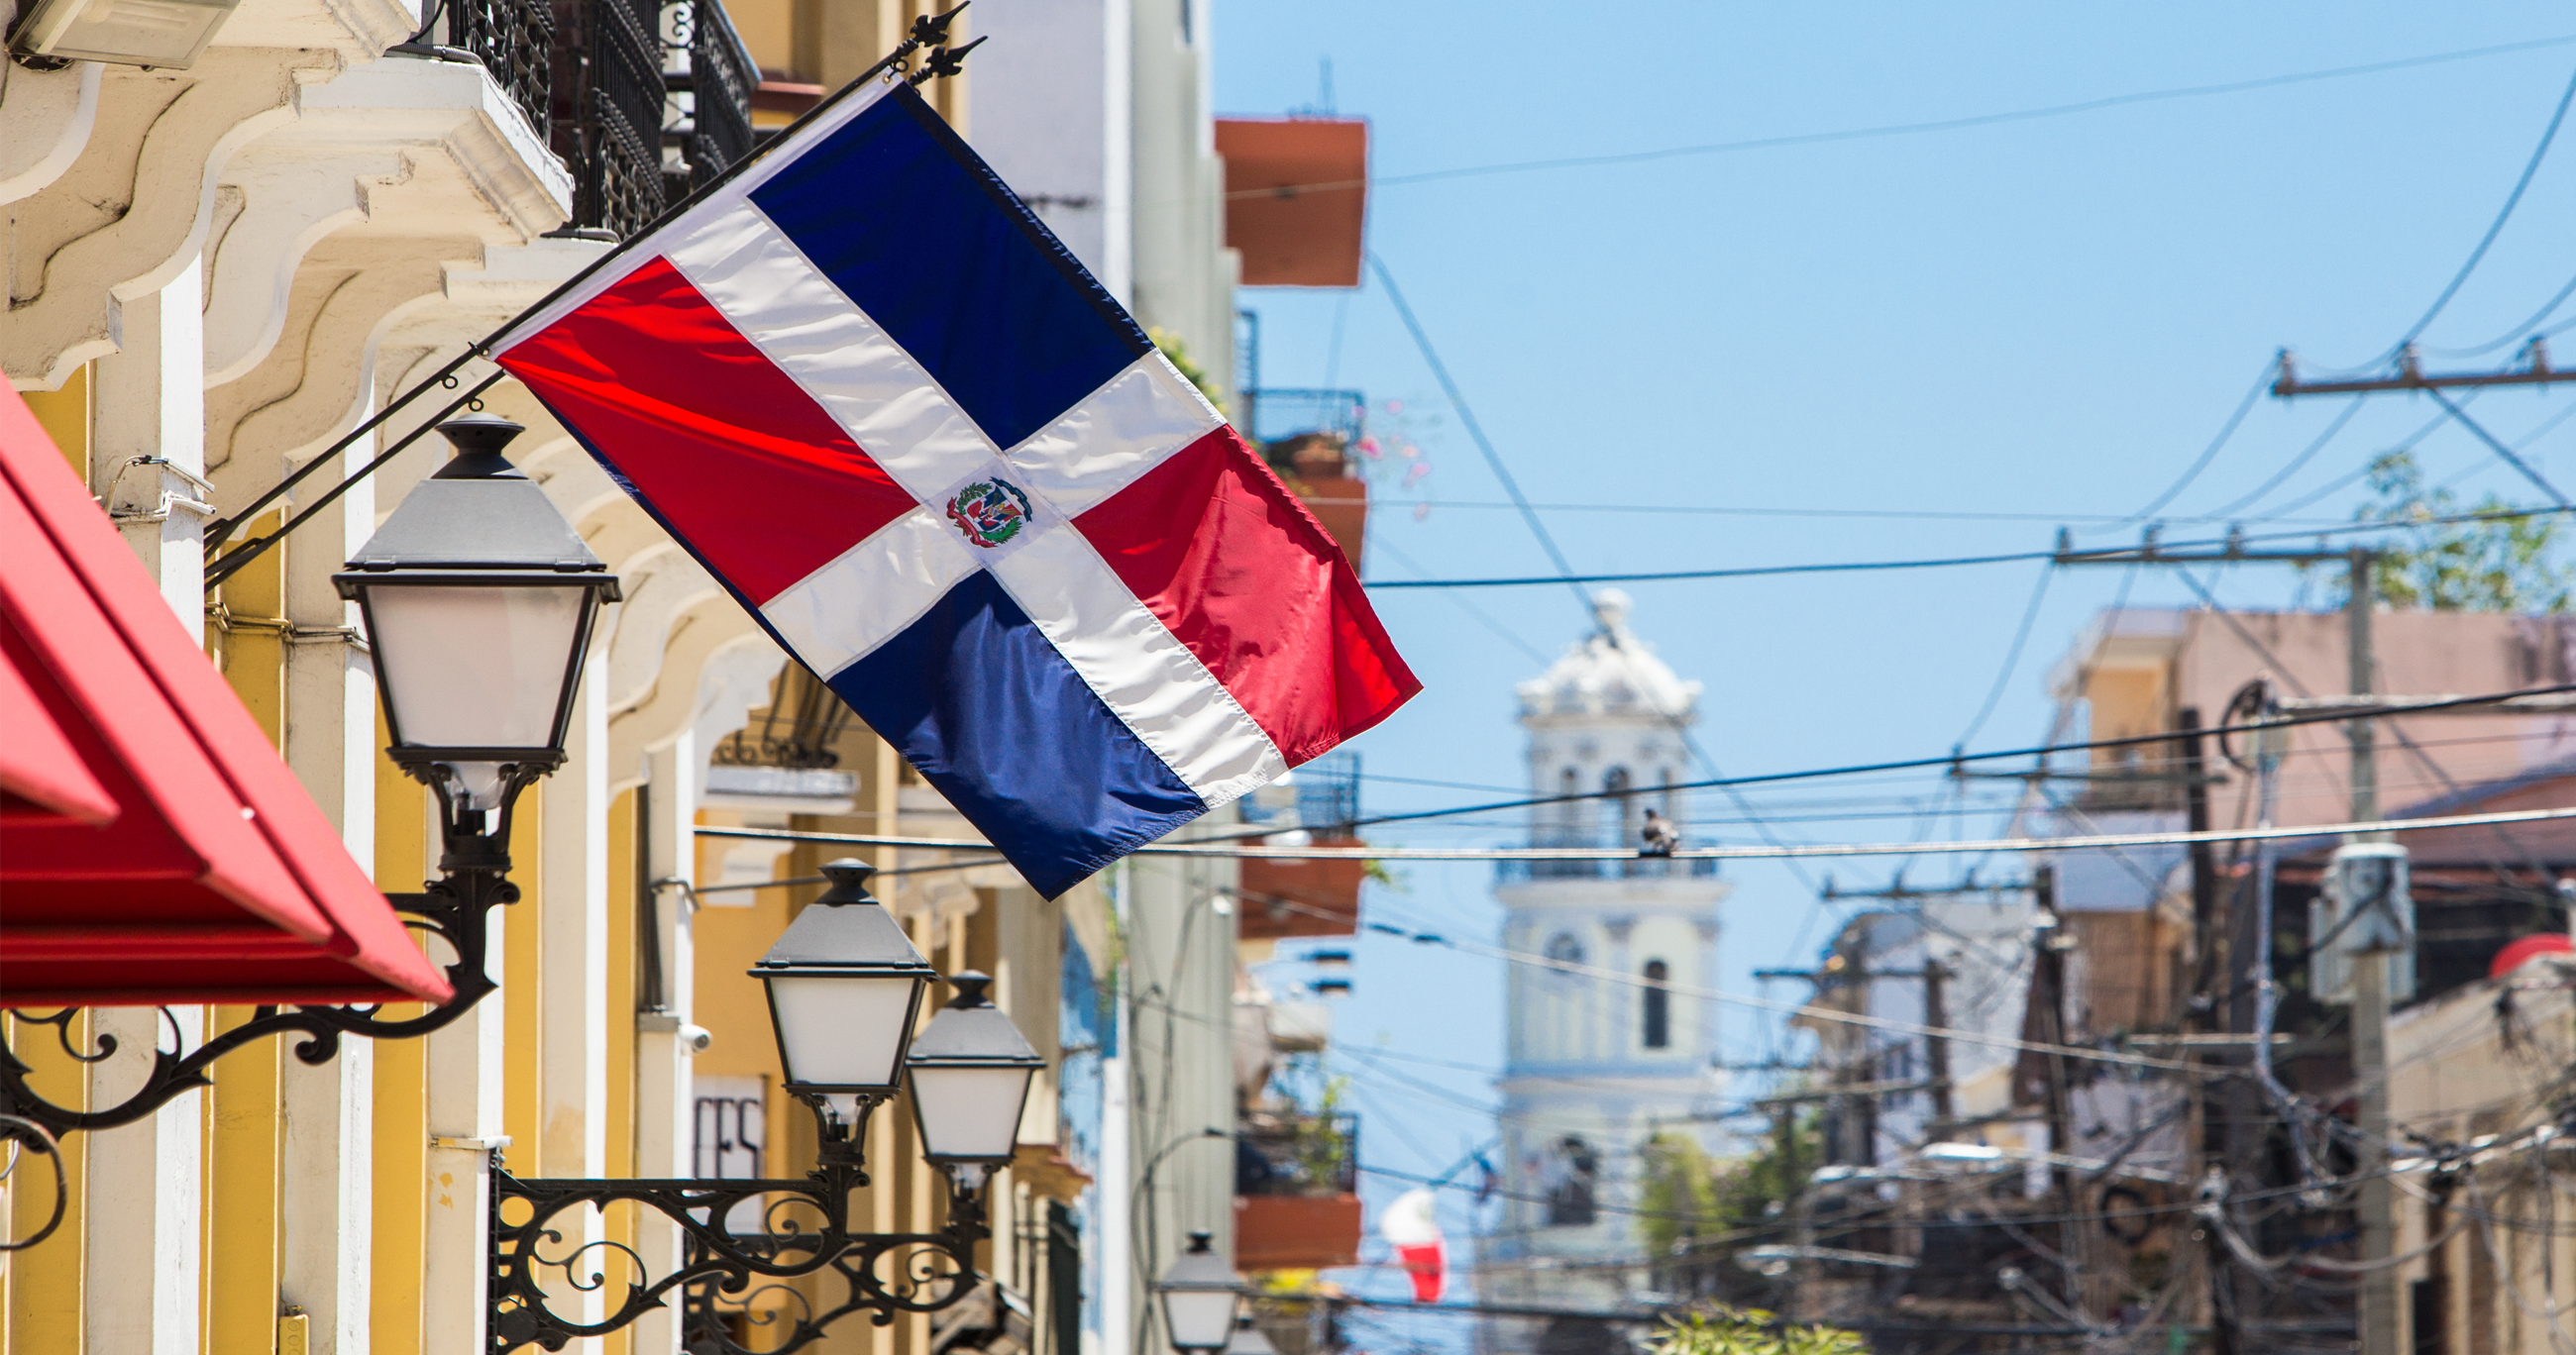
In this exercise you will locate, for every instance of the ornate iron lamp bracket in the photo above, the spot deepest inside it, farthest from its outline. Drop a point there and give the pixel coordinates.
(803, 1230)
(454, 909)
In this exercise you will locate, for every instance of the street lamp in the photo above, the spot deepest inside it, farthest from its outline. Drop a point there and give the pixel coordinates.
(844, 986)
(970, 1080)
(1200, 1293)
(478, 600)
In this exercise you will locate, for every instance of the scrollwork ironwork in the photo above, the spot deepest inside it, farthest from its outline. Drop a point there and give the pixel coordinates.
(25, 1136)
(453, 909)
(881, 1274)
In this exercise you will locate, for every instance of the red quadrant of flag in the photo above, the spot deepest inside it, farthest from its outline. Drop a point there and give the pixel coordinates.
(1253, 585)
(744, 465)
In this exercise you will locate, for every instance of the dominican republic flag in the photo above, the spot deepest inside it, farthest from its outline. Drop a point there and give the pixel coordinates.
(875, 396)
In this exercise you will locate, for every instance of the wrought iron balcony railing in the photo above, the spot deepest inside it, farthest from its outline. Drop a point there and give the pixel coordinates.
(709, 78)
(644, 100)
(515, 41)
(607, 111)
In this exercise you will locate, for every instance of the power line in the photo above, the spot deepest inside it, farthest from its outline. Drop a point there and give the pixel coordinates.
(2227, 431)
(1798, 851)
(2512, 200)
(1475, 430)
(1941, 562)
(1905, 128)
(2012, 655)
(1954, 759)
(1894, 514)
(2462, 416)
(2296, 462)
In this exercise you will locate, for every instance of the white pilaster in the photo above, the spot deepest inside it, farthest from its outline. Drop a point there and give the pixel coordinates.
(573, 1058)
(664, 1109)
(148, 457)
(146, 1198)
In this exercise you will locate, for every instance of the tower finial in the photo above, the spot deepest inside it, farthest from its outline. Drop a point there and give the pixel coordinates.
(1610, 607)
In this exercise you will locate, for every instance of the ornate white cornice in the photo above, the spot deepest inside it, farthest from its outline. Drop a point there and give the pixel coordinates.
(48, 115)
(134, 207)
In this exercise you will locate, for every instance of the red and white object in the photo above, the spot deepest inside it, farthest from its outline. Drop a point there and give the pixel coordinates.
(1411, 1224)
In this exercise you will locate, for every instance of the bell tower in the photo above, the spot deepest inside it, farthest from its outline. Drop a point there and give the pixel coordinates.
(1608, 1045)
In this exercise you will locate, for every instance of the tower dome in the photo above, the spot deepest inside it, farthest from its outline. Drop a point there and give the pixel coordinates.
(1609, 673)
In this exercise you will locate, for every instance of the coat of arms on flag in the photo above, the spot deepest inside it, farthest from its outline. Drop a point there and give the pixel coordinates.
(878, 399)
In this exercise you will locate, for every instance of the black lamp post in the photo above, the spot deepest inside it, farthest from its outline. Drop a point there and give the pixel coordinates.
(845, 987)
(1200, 1293)
(478, 600)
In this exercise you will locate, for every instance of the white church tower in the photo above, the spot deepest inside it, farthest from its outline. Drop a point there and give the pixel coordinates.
(1603, 1057)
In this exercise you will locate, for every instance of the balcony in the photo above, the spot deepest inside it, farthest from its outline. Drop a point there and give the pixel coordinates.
(1296, 1187)
(643, 101)
(1284, 898)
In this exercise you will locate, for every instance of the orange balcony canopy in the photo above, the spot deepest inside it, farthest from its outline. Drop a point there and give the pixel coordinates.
(1296, 197)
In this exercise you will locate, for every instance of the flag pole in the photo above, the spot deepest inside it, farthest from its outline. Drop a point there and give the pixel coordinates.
(929, 30)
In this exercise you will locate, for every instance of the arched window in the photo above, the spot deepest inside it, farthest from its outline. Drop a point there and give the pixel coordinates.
(1658, 1006)
(1570, 1174)
(1564, 949)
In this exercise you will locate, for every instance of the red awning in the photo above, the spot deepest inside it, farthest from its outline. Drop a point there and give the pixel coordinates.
(153, 846)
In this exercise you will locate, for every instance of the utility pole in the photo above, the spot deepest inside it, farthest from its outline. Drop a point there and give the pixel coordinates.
(2048, 989)
(1936, 1048)
(2411, 376)
(2379, 1317)
(1802, 1230)
(2201, 1012)
(2379, 1311)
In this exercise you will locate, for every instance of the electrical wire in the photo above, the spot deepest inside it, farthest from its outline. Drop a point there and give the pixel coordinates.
(1206, 845)
(1903, 128)
(1476, 430)
(1944, 562)
(2012, 654)
(2350, 409)
(2262, 383)
(2511, 201)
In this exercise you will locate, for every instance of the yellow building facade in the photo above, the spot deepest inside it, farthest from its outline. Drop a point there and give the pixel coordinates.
(215, 273)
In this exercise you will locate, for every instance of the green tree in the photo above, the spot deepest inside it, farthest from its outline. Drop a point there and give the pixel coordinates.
(1720, 1330)
(1699, 1211)
(2499, 564)
(1679, 1199)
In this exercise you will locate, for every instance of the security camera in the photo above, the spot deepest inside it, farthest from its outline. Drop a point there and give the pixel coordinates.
(695, 1039)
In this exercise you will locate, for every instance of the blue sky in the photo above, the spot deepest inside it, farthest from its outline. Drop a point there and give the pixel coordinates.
(2050, 317)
